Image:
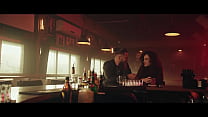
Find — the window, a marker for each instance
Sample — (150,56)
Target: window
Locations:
(92,64)
(97,65)
(51,66)
(12,57)
(60,63)
(102,62)
(63,63)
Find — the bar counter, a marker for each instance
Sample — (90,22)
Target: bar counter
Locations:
(176,94)
(154,94)
(33,94)
(150,94)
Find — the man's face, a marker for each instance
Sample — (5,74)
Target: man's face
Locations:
(122,57)
(126,54)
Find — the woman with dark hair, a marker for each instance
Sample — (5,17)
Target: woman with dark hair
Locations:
(150,71)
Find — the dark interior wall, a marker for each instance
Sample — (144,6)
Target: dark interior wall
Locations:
(173,62)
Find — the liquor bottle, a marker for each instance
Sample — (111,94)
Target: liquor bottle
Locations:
(93,85)
(84,75)
(89,74)
(73,69)
(66,92)
(101,82)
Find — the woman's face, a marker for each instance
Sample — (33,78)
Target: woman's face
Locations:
(146,60)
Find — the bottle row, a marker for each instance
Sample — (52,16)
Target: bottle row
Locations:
(89,80)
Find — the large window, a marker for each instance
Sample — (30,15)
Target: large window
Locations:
(97,65)
(92,64)
(63,63)
(102,63)
(51,68)
(60,63)
(12,57)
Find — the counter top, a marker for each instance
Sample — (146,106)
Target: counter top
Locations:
(34,94)
(22,94)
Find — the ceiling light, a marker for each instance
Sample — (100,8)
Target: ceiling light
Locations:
(172,34)
(179,50)
(140,51)
(83,43)
(172,31)
(112,50)
(41,24)
(107,49)
(84,40)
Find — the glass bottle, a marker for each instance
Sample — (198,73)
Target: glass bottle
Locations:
(84,75)
(101,82)
(73,69)
(66,92)
(93,85)
(89,75)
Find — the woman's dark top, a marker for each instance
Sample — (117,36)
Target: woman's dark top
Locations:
(151,71)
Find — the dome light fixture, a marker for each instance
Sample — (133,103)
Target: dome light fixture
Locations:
(84,40)
(106,49)
(172,32)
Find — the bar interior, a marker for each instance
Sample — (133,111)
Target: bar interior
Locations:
(78,58)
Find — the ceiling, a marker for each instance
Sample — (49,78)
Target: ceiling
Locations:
(144,28)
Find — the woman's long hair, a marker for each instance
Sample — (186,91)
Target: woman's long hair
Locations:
(155,67)
(154,60)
